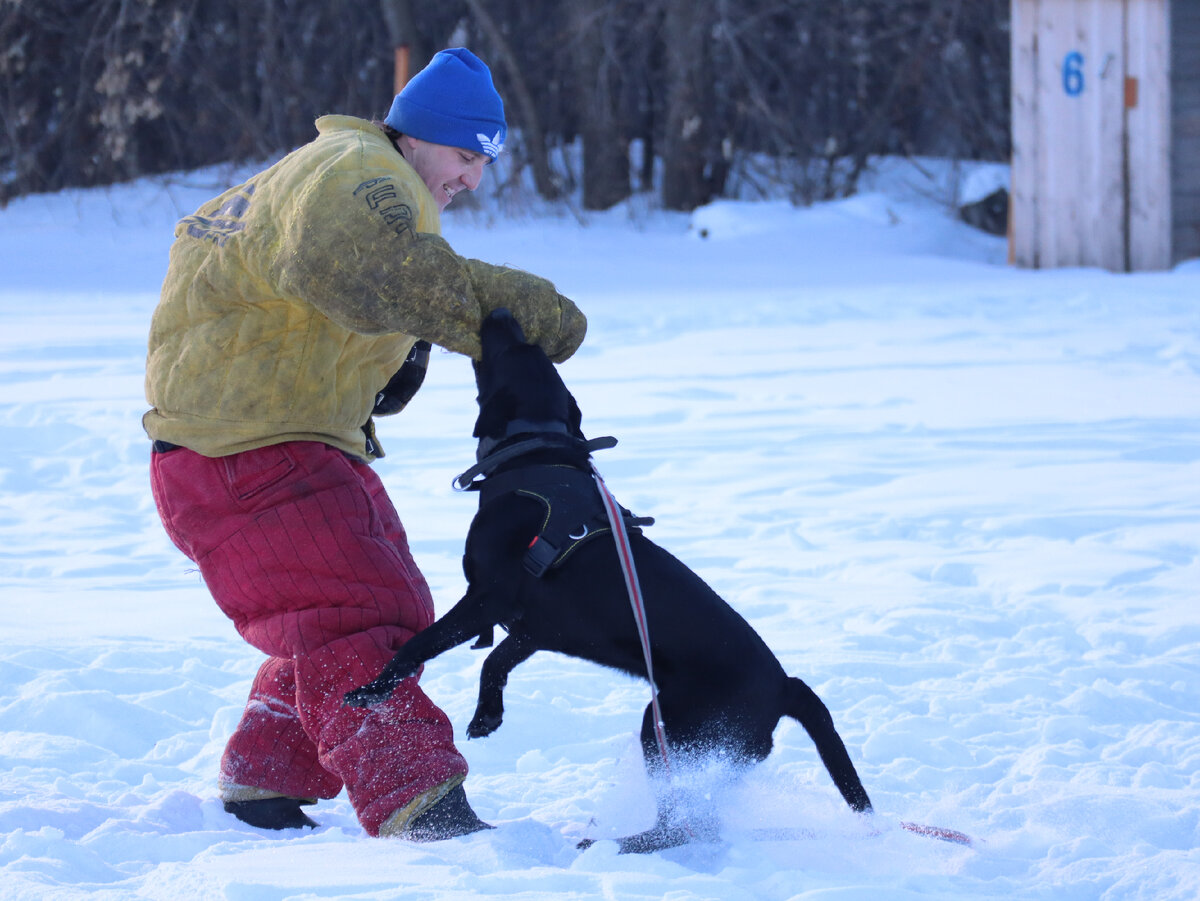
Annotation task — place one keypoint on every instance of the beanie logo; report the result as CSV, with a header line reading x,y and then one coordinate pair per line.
x,y
491,146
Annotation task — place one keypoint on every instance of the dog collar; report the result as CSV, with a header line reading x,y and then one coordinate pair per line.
x,y
521,427
490,459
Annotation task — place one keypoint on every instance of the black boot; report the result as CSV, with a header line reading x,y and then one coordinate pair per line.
x,y
450,817
272,813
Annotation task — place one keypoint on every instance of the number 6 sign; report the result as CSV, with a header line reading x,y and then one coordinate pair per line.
x,y
1072,73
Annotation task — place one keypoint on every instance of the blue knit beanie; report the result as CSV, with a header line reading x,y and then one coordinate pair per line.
x,y
452,101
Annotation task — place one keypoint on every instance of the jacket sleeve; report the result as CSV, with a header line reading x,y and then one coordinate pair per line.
x,y
349,245
548,319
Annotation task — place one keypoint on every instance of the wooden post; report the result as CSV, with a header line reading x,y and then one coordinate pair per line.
x,y
400,72
1022,210
407,45
1185,129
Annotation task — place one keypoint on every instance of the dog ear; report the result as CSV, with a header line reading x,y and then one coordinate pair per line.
x,y
574,416
495,412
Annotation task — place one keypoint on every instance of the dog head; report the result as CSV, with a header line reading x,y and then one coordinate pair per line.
x,y
520,390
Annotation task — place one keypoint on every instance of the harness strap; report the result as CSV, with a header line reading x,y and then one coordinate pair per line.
x,y
574,514
561,536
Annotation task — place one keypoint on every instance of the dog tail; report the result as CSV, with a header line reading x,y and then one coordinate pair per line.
x,y
801,703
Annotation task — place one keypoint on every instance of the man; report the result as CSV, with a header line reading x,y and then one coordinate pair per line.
x,y
289,305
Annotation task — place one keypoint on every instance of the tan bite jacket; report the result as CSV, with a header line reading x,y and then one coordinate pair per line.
x,y
291,300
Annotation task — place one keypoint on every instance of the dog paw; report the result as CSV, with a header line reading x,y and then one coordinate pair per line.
x,y
658,838
483,725
366,696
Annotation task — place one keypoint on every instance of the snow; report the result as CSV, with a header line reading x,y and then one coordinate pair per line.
x,y
961,500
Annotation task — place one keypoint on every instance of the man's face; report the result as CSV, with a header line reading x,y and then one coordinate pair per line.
x,y
445,170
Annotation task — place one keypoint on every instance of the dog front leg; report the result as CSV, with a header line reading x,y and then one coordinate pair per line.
x,y
466,619
493,677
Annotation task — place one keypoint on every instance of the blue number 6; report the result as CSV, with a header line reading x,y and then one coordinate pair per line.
x,y
1072,73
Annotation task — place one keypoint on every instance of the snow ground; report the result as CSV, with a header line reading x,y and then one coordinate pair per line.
x,y
961,500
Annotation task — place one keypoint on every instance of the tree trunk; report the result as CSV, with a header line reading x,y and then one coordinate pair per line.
x,y
605,146
688,170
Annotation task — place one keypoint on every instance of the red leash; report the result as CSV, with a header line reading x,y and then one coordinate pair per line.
x,y
946,835
625,554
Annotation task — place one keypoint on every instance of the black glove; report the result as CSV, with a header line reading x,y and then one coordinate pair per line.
x,y
404,384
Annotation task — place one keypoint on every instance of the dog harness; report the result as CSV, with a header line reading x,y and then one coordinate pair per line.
x,y
574,511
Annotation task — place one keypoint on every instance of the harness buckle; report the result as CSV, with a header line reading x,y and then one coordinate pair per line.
x,y
540,555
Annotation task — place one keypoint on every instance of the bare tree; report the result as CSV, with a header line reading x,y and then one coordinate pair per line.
x,y
693,168
596,54
794,92
534,143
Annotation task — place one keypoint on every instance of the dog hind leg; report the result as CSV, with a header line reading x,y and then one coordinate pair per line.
x,y
683,814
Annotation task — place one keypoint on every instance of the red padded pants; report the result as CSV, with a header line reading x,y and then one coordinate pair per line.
x,y
301,548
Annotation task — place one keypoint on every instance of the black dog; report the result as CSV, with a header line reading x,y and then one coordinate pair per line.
x,y
541,562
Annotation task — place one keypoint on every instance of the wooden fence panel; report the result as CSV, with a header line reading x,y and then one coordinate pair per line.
x,y
1080,181
1091,133
1148,124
